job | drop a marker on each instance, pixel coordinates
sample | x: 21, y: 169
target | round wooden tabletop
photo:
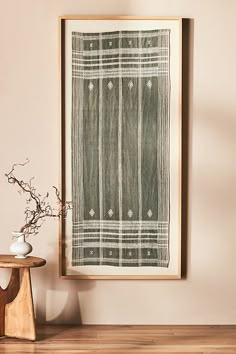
x: 8, y: 261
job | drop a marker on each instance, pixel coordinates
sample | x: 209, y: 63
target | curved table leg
x: 19, y: 314
x: 7, y: 295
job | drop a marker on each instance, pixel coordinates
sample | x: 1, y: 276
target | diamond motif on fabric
x: 130, y: 213
x: 92, y: 212
x: 110, y: 213
x: 149, y: 84
x: 91, y: 253
x: 149, y: 42
x: 149, y: 213
x: 130, y: 42
x: 90, y: 86
x: 130, y: 85
x: 110, y: 85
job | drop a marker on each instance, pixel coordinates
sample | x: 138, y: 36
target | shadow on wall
x: 187, y: 97
x: 53, y: 293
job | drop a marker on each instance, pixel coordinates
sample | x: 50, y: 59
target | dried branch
x: 38, y: 207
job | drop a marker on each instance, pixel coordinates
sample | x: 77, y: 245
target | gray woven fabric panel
x: 120, y: 148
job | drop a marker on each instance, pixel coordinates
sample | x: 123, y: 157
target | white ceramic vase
x: 20, y: 248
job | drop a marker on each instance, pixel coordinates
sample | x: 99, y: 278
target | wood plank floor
x: 126, y: 339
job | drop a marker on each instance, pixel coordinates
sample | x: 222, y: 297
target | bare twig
x: 36, y: 214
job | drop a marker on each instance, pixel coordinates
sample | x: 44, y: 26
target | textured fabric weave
x: 120, y: 148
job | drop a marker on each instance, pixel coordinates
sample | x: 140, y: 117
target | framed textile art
x: 121, y: 147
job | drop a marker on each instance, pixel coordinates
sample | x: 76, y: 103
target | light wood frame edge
x: 119, y: 277
x: 60, y: 138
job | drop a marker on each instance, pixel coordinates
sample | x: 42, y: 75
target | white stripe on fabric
x: 125, y: 234
x: 140, y: 151
x: 122, y: 63
x: 119, y: 70
x: 121, y: 35
x: 105, y: 73
x: 124, y: 51
x: 80, y: 167
x: 115, y: 76
x: 124, y: 225
x: 100, y: 151
x: 128, y: 222
x: 125, y: 229
x: 122, y: 58
x: 126, y: 261
x: 127, y: 245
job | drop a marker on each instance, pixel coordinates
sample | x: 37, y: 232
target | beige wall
x: 29, y: 128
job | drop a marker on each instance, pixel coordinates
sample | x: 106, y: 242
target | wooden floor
x: 125, y: 339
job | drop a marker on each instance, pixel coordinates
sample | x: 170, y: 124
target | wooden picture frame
x: 95, y: 34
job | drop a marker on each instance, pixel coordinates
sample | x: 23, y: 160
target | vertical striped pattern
x: 120, y: 121
x: 140, y: 148
x: 100, y: 150
x: 163, y: 144
x: 79, y: 167
x: 77, y: 153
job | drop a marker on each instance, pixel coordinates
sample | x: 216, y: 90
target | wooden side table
x: 16, y: 302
